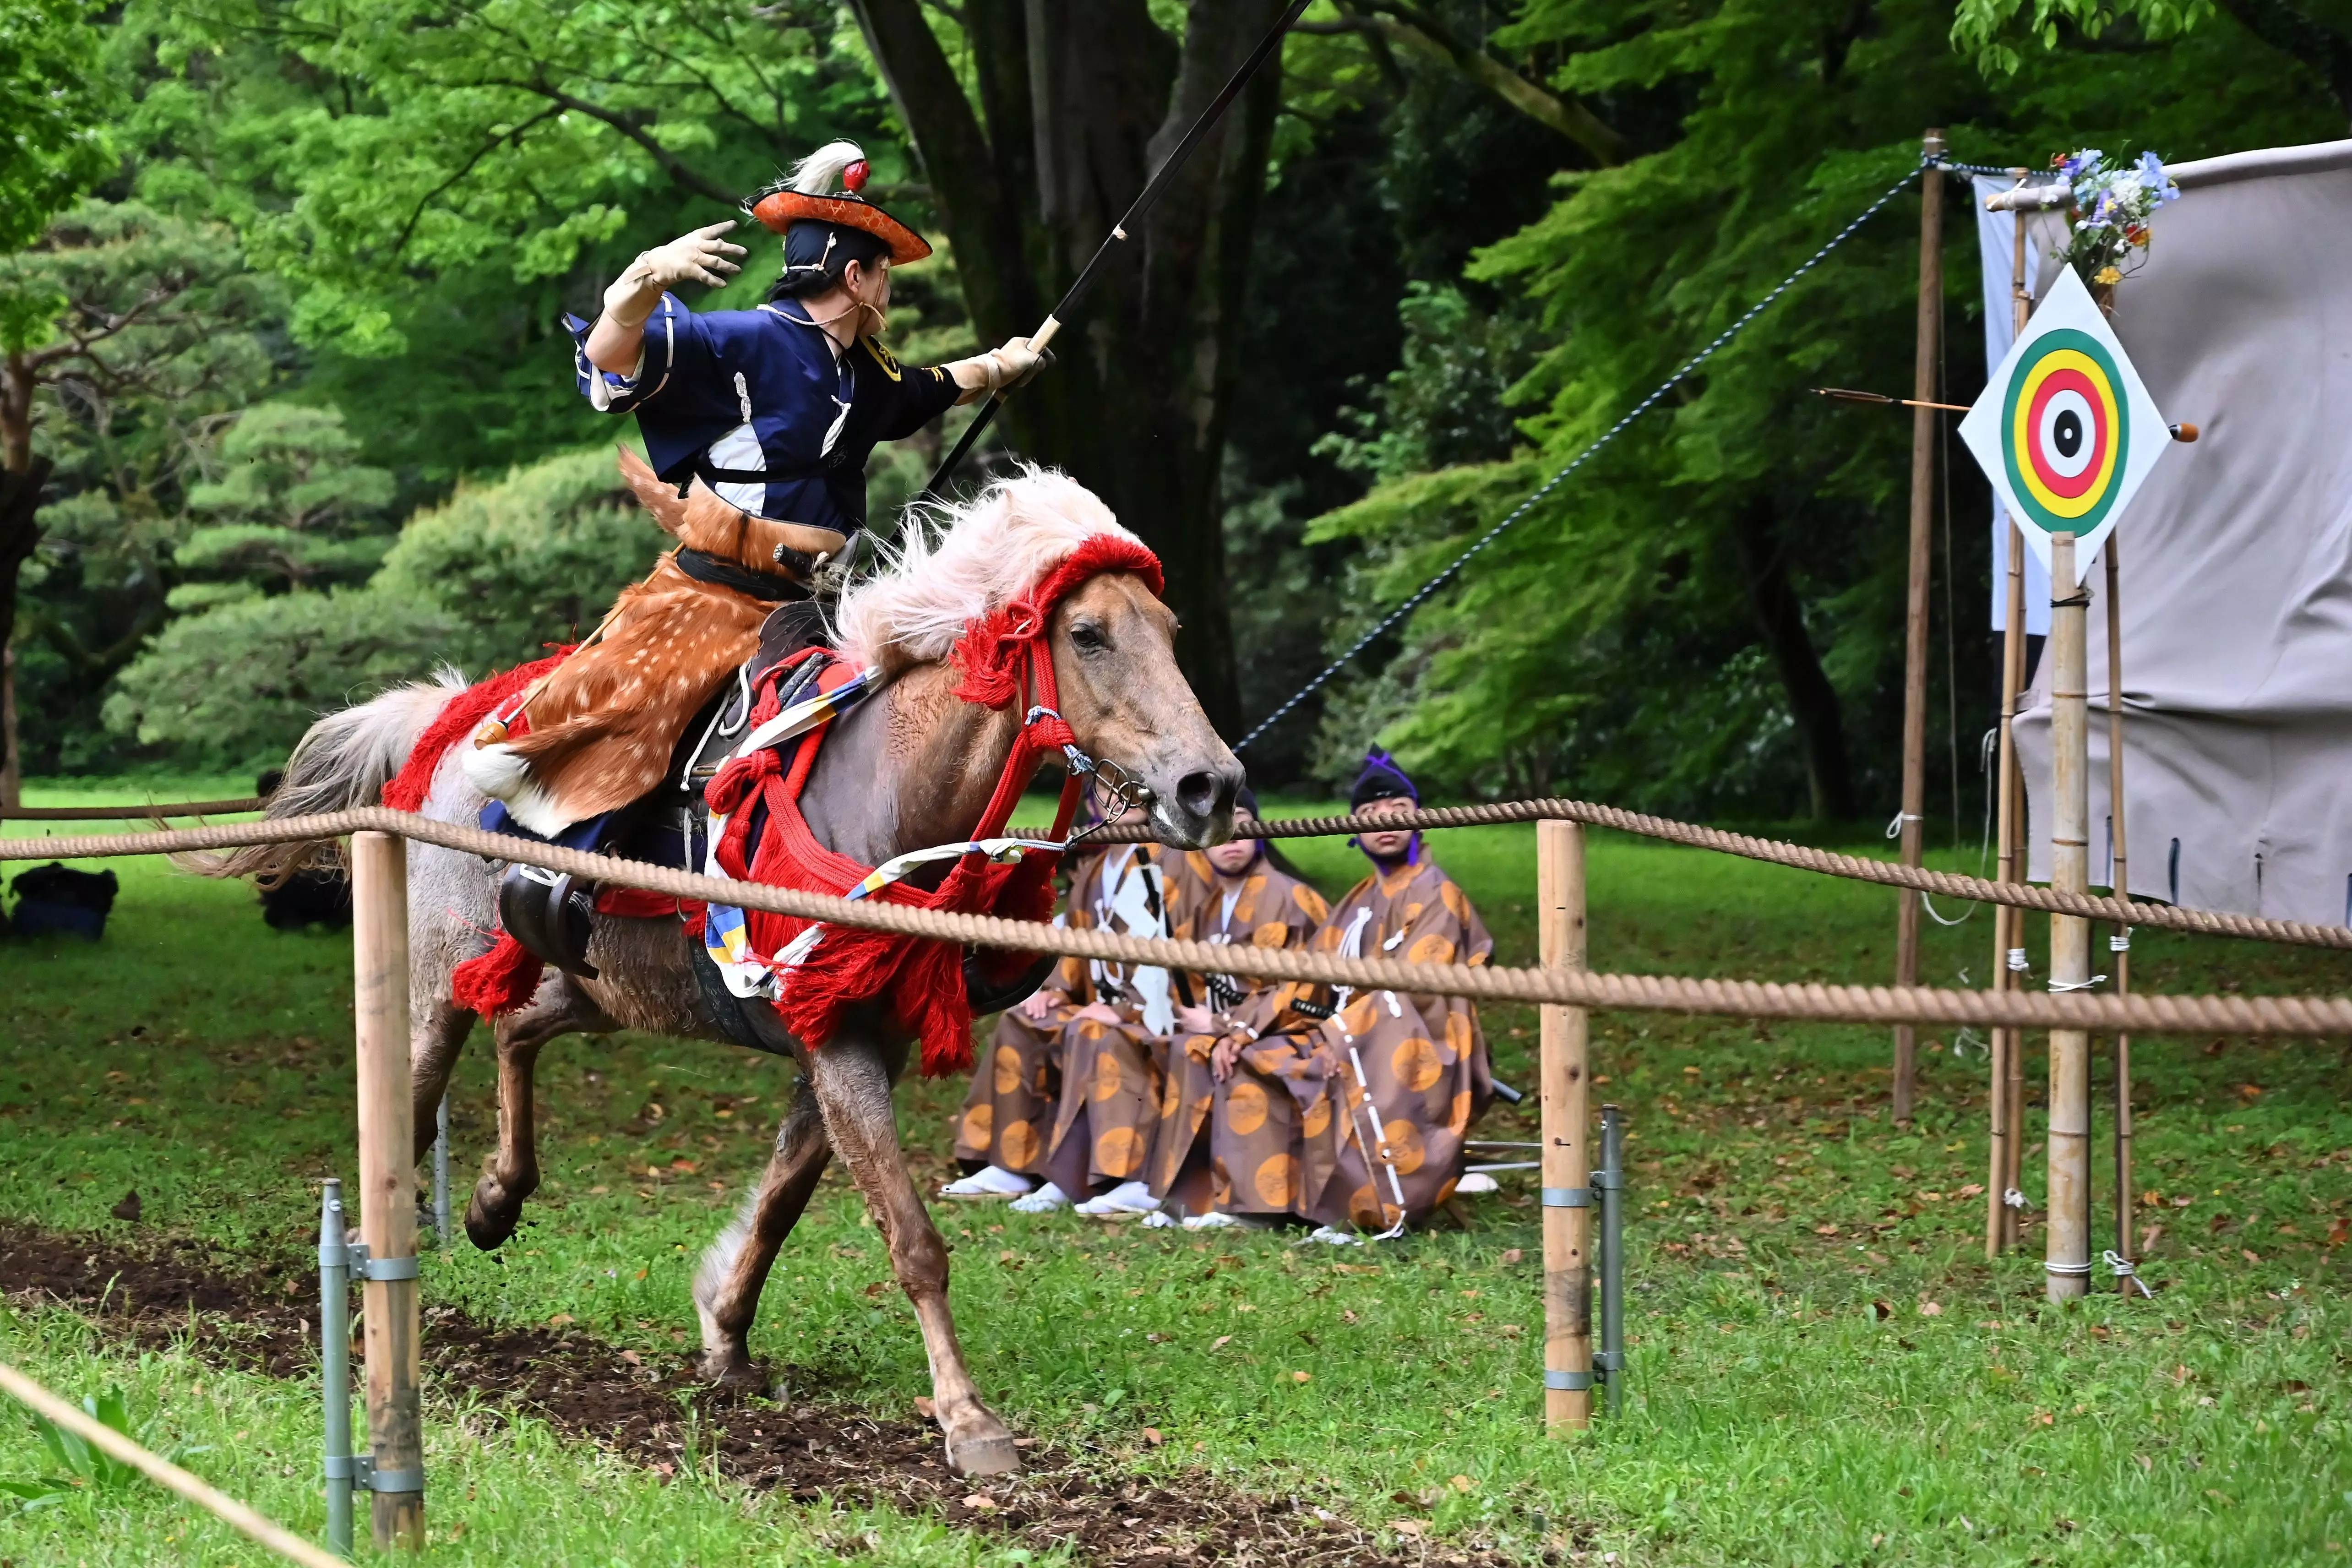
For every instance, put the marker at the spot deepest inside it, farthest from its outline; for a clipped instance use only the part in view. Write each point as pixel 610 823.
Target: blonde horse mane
pixel 963 561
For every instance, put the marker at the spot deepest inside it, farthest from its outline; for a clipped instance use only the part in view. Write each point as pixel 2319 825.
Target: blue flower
pixel 2078 165
pixel 2152 175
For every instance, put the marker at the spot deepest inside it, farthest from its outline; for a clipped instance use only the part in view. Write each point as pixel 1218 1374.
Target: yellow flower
pixel 2108 275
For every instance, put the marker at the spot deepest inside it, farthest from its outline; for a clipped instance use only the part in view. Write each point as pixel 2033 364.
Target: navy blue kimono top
pixel 758 403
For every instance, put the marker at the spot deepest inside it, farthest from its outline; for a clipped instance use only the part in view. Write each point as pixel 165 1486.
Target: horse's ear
pixel 664 501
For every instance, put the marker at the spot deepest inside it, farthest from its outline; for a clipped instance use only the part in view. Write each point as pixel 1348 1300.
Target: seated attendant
pixel 1246 1094
pixel 1402 1075
pixel 1021 1126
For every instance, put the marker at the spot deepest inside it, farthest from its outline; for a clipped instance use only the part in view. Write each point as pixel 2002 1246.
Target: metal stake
pixel 1609 1183
pixel 335 1363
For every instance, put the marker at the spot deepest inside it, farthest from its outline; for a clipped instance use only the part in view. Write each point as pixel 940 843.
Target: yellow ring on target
pixel 2021 435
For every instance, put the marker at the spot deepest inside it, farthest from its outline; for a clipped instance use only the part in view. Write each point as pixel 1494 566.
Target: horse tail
pixel 342 761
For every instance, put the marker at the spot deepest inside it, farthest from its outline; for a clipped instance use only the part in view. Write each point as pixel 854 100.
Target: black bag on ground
pixel 56 897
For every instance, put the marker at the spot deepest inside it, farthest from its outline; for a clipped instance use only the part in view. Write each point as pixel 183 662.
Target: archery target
pixel 2066 429
pixel 2064 433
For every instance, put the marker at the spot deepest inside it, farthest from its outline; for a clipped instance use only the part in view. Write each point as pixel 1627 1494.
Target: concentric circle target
pixel 2066 433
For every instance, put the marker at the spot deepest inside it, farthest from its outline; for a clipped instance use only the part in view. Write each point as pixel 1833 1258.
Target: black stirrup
pixel 986 997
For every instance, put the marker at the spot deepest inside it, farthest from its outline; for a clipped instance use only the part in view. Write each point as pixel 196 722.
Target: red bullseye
pixel 2067 433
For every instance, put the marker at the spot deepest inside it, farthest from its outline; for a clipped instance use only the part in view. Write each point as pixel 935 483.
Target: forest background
pixel 287 409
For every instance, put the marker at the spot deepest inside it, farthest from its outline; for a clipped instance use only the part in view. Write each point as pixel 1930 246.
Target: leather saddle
pixel 548 912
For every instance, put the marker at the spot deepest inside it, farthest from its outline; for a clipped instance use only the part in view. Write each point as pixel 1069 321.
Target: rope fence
pixel 164 1473
pixel 130 813
pixel 1773 851
pixel 2138 1014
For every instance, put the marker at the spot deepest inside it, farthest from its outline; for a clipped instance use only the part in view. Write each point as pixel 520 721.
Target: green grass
pixel 1826 1371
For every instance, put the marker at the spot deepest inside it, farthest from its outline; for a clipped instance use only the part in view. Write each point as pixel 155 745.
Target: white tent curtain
pixel 2236 556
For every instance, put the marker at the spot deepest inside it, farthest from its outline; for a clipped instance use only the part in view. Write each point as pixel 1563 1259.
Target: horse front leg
pixel 510 1174
pixel 727 1286
pixel 853 1088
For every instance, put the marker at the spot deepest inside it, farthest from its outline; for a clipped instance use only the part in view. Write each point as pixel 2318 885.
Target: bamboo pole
pixel 2119 946
pixel 2067 1258
pixel 1914 613
pixel 387 1183
pixel 164 1473
pixel 2005 1099
pixel 1566 1167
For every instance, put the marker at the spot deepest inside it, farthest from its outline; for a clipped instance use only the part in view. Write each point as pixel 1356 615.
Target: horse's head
pixel 1114 650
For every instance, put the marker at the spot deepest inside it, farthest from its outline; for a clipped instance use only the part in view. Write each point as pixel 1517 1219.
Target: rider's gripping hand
pixel 1017 364
pixel 701 257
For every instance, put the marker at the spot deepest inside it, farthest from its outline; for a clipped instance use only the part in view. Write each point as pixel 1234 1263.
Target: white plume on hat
pixel 819 174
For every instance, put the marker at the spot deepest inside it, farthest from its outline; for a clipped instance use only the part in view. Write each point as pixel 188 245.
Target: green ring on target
pixel 2026 507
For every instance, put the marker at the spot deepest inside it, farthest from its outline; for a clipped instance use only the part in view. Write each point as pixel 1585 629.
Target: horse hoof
pixel 977 1457
pixel 486 1229
pixel 732 1369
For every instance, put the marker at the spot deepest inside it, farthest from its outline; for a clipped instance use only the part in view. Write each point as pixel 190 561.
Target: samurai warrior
pixel 757 426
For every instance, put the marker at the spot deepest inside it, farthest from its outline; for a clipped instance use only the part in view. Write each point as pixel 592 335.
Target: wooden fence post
pixel 1911 824
pixel 2067 1258
pixel 387 1187
pixel 1565 1084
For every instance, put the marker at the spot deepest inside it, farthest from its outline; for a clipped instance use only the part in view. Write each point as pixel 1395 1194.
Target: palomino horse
pixel 910 767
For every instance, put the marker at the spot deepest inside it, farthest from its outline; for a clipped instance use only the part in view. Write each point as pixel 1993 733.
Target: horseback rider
pixel 758 424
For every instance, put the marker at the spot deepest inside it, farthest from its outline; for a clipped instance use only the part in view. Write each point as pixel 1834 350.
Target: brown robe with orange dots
pixel 1421 1059
pixel 1009 1116
pixel 1252 1164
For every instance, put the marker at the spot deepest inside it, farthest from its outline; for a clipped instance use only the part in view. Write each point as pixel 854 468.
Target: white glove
pixel 699 258
pixel 1015 366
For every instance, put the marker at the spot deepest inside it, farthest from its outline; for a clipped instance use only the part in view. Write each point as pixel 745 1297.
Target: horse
pixel 911 767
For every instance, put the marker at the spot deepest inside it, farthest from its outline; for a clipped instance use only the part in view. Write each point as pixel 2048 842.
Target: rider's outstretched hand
pixel 1017 363
pixel 701 257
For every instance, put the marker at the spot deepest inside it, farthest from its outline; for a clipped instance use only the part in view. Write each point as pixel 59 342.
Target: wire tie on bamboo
pixel 2068 1268
pixel 2014 1199
pixel 2119 944
pixel 2016 961
pixel 1895 829
pixel 2078 984
pixel 2121 1267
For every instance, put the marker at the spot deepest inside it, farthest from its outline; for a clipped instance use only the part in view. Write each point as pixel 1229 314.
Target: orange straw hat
pixel 824 187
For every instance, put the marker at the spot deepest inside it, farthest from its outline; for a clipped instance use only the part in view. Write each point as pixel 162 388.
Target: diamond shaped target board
pixel 2066 429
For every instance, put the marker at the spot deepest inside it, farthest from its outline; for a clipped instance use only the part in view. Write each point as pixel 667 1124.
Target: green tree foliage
pixel 293 508
pixel 236 686
pixel 485 581
pixel 53 95
pixel 1709 618
pixel 438 182
pixel 532 559
pixel 129 337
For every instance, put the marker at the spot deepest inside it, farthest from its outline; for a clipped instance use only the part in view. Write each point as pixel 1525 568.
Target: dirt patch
pixel 659 1414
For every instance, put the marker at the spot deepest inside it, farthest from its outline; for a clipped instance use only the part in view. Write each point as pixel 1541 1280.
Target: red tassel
pixel 460 717
pixel 500 981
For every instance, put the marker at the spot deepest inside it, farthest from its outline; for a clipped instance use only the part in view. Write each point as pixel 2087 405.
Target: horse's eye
pixel 1088 637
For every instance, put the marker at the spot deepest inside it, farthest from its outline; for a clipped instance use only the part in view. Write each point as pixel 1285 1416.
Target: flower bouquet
pixel 2112 205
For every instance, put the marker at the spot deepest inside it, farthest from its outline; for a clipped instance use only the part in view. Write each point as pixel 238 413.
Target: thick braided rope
pixel 129 813
pixel 1536 498
pixel 1829 862
pixel 2139 1014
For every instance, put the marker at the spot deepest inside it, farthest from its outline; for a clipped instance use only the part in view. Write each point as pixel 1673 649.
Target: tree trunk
pixel 20 531
pixel 1781 623
pixel 1082 99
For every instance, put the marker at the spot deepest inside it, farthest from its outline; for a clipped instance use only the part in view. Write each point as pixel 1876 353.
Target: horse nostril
pixel 1203 792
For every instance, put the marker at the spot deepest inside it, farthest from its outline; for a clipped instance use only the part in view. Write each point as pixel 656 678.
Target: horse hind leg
pixel 510 1174
pixel 853 1088
pixel 735 1269
pixel 433 1045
